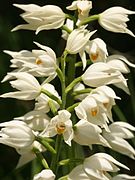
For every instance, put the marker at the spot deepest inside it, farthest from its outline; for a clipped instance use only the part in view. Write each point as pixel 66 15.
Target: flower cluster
pixel 80 113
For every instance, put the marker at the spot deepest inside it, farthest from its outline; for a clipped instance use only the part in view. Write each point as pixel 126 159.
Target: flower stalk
pixel 89 19
pixel 41 158
pixel 73 83
pixel 44 91
pixel 46 144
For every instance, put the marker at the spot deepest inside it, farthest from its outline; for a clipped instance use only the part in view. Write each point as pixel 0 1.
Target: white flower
pixel 70 25
pixel 83 7
pixel 29 88
pixel 98 164
pixel 122 129
pixel 78 173
pixel 120 63
pixel 36 120
pixel 89 109
pixel 42 101
pixel 60 124
pixel 100 73
pixel 79 87
pixel 97 50
pixel 41 18
pixel 96 167
pixel 44 62
pixel 16 134
pixel 77 41
pixel 106 97
pixel 38 62
pixel 27 154
pixel 86 133
pixel 123 177
pixel 119 131
pixel 114 19
pixel 45 174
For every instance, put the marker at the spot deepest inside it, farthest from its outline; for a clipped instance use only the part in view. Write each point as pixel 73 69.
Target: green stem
pixel 69 16
pixel 51 96
pixel 58 143
pixel 83 91
pixel 41 158
pixel 80 64
pixel 73 83
pixel 65 28
pixel 63 83
pixel 52 107
pixel 68 161
pixel 55 158
pixel 60 74
pixel 43 141
pixel 89 19
pixel 70 77
pixel 71 108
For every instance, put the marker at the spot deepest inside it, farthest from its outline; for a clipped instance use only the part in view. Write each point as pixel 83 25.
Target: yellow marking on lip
pixel 94 56
pixel 94 112
pixel 60 128
pixel 105 105
pixel 38 61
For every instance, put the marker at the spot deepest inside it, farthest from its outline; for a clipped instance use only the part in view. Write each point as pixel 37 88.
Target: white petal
pixel 78 173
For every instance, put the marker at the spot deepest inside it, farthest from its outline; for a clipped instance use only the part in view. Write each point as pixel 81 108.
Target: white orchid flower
pixel 42 101
pixel 41 18
pixel 27 154
pixel 16 134
pixel 97 50
pixel 28 86
pixel 78 173
pixel 45 174
pixel 83 7
pixel 36 120
pixel 122 129
pixel 98 164
pixel 89 109
pixel 106 97
pixel 77 41
pixel 60 124
pixel 100 73
pixel 120 63
pixel 36 62
pixel 119 131
pixel 86 133
pixel 114 19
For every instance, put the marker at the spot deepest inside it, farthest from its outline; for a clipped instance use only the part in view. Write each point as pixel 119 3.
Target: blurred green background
pixel 23 39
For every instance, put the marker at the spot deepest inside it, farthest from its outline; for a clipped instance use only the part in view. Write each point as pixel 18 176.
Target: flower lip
pixel 38 61
pixel 60 128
